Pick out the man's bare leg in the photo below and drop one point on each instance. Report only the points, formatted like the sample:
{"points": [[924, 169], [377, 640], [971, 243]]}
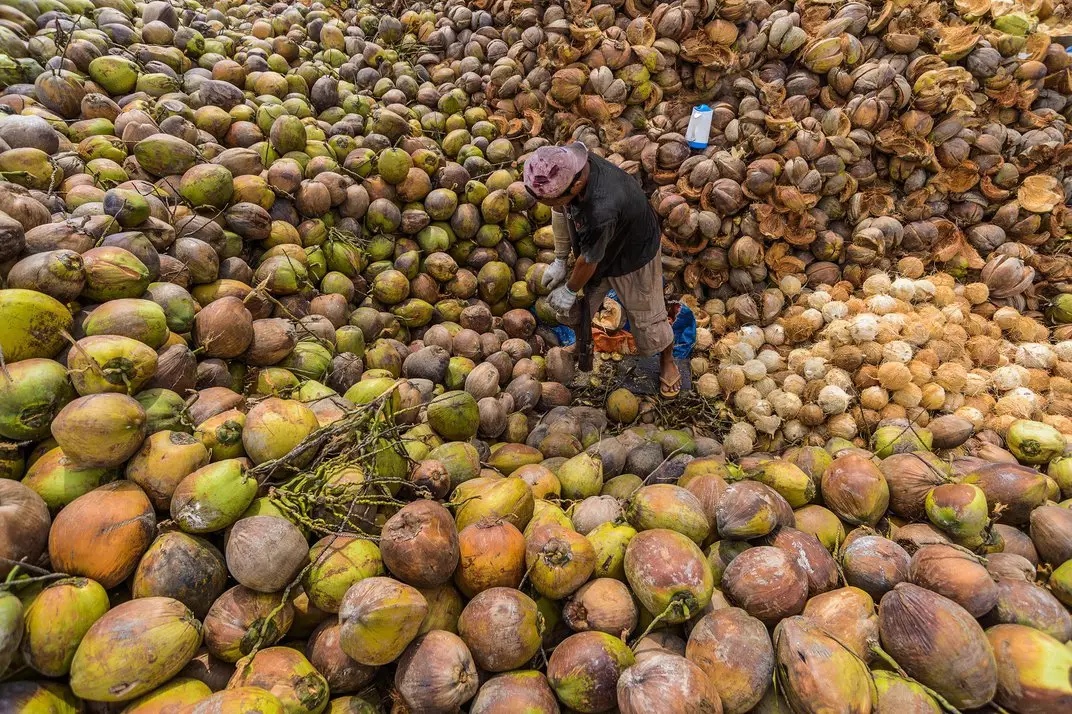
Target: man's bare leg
{"points": [[669, 375]]}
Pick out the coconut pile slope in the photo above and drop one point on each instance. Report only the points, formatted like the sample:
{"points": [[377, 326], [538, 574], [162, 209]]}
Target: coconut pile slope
{"points": [[284, 426]]}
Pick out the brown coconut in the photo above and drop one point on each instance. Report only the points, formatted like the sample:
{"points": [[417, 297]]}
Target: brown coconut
{"points": [[429, 479], [24, 525], [914, 536], [767, 582], [809, 554], [213, 672], [874, 564], [419, 544], [849, 615], [343, 674], [103, 534], [436, 673], [524, 691], [955, 574], [749, 509], [223, 328], [266, 553], [910, 477], [492, 554], [1010, 565], [502, 627], [1016, 541], [817, 673], [184, 567], [938, 643], [735, 651], [1023, 602], [854, 488], [1019, 490], [667, 683], [603, 604], [241, 617], [1051, 532]]}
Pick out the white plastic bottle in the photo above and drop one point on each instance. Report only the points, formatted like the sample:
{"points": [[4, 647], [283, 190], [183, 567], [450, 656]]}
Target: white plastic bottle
{"points": [[699, 130]]}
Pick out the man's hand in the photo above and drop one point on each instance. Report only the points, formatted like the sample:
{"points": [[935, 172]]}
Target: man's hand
{"points": [[561, 299], [554, 274]]}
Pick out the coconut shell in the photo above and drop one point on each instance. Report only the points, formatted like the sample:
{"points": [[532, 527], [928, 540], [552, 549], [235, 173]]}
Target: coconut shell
{"points": [[324, 652], [184, 567], [849, 615], [938, 643], [106, 669], [809, 554], [584, 670], [818, 674], [24, 525], [1034, 670], [419, 544], [239, 617], [502, 627], [854, 488], [1022, 602], [668, 683], [103, 534], [735, 652], [265, 553], [955, 574], [1051, 532], [767, 582], [874, 564], [436, 673], [287, 674]]}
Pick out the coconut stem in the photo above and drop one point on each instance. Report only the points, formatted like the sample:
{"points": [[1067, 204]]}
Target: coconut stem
{"points": [[655, 621]]}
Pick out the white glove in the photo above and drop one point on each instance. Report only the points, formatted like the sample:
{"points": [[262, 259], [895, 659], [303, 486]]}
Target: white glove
{"points": [[561, 299], [554, 274]]}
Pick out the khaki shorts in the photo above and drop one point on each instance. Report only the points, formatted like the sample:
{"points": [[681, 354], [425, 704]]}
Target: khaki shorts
{"points": [[641, 293]]}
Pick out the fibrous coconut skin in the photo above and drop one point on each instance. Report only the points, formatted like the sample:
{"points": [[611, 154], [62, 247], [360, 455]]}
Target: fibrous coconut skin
{"points": [[938, 643], [817, 673], [667, 682], [735, 651]]}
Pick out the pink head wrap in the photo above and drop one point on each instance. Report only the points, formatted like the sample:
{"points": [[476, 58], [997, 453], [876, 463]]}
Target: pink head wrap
{"points": [[550, 169]]}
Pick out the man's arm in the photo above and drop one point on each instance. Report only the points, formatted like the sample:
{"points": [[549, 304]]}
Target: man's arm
{"points": [[582, 273]]}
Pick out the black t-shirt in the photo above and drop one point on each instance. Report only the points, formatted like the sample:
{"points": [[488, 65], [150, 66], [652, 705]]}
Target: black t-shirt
{"points": [[611, 223]]}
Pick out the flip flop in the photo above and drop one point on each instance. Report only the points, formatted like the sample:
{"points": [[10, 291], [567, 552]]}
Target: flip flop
{"points": [[669, 390]]}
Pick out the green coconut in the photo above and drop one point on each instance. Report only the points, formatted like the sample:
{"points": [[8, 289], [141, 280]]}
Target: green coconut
{"points": [[33, 325], [580, 477], [58, 480], [274, 427], [897, 694], [379, 617], [894, 439], [32, 393], [207, 186], [213, 497], [610, 540], [459, 458], [454, 415], [816, 673], [100, 430], [337, 563], [559, 560], [1033, 442], [584, 670], [959, 509], [509, 498], [668, 506], [787, 479], [110, 363], [56, 621], [510, 457], [287, 674], [1033, 669]]}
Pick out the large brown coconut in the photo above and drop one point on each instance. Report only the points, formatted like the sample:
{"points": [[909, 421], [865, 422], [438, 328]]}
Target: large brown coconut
{"points": [[909, 477], [240, 618], [767, 582], [1016, 541], [1019, 490], [735, 651], [214, 673], [378, 618], [429, 479], [854, 488], [667, 683], [938, 643], [559, 560], [817, 673], [436, 673], [523, 691], [419, 544], [669, 574], [874, 564], [603, 604], [24, 525], [266, 553], [914, 536], [749, 509], [215, 401], [103, 534], [184, 567], [1051, 532], [1025, 603], [849, 615], [584, 670], [708, 488], [1010, 565], [272, 339], [223, 328], [287, 674], [492, 554], [502, 627], [809, 554], [955, 574], [342, 673], [1034, 670]]}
